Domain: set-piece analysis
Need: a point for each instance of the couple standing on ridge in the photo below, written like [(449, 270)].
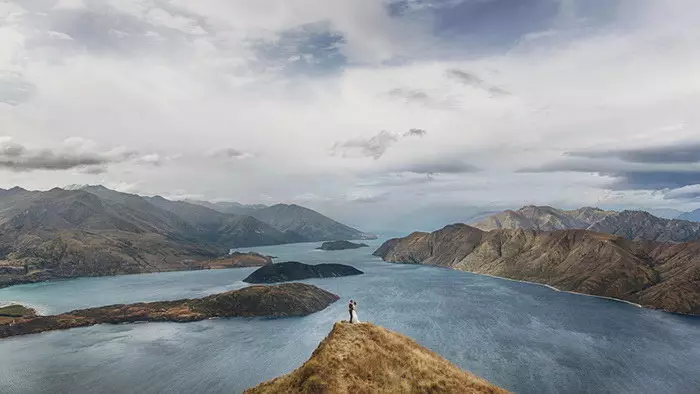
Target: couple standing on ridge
[(352, 308)]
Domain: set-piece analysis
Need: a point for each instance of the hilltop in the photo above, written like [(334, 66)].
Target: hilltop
[(364, 358), (634, 225)]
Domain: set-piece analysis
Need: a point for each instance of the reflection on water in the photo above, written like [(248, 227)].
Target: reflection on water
[(524, 337)]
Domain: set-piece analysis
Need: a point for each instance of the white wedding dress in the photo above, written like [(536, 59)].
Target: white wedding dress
[(354, 316)]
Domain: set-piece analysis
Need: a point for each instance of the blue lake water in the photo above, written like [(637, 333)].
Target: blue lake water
[(524, 337)]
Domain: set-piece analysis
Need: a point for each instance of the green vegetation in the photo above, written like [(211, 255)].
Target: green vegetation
[(16, 310)]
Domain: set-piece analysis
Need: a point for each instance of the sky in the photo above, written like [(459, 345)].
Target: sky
[(370, 111)]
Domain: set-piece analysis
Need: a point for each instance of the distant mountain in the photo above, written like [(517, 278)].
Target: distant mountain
[(229, 206), (309, 224), (294, 220), (693, 216), (92, 230), (635, 225), (542, 218), (666, 213), (653, 274)]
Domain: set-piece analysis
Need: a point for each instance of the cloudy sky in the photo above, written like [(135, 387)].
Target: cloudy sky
[(366, 109)]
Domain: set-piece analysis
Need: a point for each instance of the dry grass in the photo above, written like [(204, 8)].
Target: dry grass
[(364, 358)]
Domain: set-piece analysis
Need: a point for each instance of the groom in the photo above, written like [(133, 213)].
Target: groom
[(351, 307)]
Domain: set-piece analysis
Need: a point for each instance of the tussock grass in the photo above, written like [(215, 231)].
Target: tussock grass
[(364, 358)]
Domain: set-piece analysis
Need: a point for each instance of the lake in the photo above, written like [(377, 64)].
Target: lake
[(524, 337)]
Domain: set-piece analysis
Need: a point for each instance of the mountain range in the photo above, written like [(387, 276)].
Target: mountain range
[(93, 230), (634, 225), (650, 273)]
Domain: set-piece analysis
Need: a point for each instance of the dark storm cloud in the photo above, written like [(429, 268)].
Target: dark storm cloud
[(682, 152), (669, 166), (626, 177), (473, 81), (48, 160), (687, 193), (17, 157)]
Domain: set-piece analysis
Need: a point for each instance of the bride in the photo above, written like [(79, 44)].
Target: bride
[(353, 312)]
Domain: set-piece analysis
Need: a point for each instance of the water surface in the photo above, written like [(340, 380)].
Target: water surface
[(524, 337)]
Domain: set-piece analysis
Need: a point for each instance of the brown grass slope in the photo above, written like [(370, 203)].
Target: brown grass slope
[(654, 274), (364, 358)]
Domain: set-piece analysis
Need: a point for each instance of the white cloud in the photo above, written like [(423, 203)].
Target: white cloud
[(189, 78)]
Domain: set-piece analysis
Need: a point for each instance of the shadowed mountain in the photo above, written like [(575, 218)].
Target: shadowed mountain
[(229, 206), (364, 358), (654, 274), (634, 225), (295, 221)]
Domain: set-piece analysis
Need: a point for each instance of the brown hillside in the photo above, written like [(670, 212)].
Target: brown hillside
[(654, 274), (364, 358)]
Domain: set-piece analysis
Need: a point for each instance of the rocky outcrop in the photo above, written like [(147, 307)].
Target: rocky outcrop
[(292, 270), (653, 274), (341, 245), (292, 299), (634, 225), (364, 358)]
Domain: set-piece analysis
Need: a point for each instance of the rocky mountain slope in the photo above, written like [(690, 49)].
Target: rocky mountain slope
[(293, 299), (95, 231), (364, 358), (635, 225), (653, 274)]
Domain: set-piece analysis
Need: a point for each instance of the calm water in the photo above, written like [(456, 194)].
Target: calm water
[(526, 338)]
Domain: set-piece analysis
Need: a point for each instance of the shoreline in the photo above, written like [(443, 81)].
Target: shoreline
[(571, 292)]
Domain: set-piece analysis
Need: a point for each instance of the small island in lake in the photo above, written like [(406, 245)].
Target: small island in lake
[(292, 270), (341, 245), (236, 260), (289, 299)]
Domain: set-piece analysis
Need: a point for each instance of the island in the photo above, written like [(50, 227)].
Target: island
[(285, 300), (341, 245), (293, 270), (365, 358), (235, 260)]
